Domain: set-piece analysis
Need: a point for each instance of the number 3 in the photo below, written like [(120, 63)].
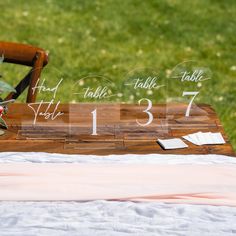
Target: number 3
[(150, 115)]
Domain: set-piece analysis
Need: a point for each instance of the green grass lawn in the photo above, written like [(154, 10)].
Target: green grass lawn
[(111, 38)]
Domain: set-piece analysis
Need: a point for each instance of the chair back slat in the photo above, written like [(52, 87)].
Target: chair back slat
[(27, 55)]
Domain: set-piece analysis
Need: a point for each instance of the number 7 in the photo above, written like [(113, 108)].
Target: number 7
[(194, 94)]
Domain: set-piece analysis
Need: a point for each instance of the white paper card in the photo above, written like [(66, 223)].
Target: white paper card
[(173, 143), (201, 138), (208, 138), (218, 138), (192, 138)]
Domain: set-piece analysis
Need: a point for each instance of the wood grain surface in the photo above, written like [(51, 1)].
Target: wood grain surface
[(118, 131)]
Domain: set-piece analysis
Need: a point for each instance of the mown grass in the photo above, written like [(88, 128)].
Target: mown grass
[(111, 38)]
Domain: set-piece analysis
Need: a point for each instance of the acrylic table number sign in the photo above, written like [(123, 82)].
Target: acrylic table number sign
[(46, 118), (188, 82), (93, 119), (143, 87)]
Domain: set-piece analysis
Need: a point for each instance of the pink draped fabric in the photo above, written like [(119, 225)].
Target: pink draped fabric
[(196, 184)]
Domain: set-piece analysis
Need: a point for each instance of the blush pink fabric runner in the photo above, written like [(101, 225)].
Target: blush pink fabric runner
[(196, 184)]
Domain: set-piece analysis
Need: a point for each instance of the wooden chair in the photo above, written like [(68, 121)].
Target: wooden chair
[(27, 55)]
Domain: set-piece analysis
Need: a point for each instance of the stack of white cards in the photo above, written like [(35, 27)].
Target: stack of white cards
[(201, 138), (173, 143)]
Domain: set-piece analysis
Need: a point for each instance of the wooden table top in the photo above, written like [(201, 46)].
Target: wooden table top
[(117, 129)]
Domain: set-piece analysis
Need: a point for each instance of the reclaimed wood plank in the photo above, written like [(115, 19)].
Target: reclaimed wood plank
[(118, 132)]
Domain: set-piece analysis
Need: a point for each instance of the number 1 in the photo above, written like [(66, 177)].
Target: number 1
[(94, 113)]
